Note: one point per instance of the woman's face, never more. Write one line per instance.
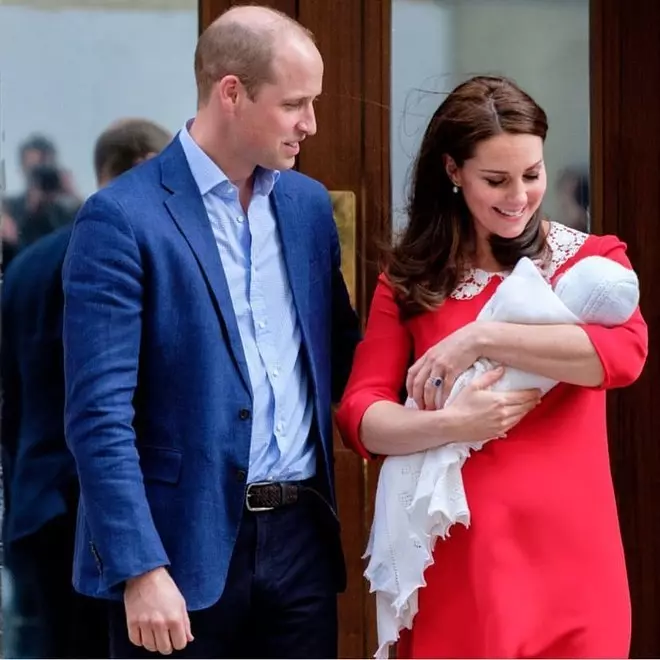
(503, 184)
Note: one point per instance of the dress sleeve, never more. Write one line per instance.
(379, 367)
(622, 349)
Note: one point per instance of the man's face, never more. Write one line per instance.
(270, 127)
(32, 158)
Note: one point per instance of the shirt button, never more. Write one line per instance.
(276, 372)
(262, 324)
(239, 218)
(243, 414)
(241, 475)
(279, 426)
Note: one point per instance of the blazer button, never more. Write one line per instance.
(241, 475)
(244, 414)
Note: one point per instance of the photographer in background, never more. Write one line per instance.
(572, 190)
(43, 616)
(48, 202)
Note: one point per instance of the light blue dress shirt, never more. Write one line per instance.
(251, 253)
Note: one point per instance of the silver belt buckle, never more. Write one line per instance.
(257, 509)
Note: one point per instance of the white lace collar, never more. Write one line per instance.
(564, 242)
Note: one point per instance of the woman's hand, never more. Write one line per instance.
(440, 366)
(480, 414)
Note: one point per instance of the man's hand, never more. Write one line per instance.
(8, 229)
(156, 613)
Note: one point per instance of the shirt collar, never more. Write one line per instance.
(208, 176)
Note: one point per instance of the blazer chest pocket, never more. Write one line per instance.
(161, 464)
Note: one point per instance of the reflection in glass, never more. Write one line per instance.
(80, 64)
(68, 69)
(542, 44)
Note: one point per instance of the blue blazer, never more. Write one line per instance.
(158, 398)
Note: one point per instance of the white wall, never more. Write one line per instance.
(542, 44)
(422, 71)
(69, 73)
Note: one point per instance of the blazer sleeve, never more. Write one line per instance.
(379, 368)
(622, 349)
(103, 306)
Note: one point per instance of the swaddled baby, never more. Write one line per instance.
(597, 291)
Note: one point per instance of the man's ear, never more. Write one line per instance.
(228, 90)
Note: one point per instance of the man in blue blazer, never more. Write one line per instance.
(43, 616)
(207, 328)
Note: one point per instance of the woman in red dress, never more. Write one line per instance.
(541, 570)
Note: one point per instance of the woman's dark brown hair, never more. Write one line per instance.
(427, 263)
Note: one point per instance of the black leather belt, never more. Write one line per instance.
(269, 495)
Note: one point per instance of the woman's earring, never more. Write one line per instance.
(455, 189)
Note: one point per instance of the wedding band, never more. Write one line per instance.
(436, 381)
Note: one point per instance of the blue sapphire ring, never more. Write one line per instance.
(435, 381)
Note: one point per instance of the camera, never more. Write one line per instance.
(46, 178)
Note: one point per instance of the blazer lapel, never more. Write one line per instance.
(187, 209)
(296, 248)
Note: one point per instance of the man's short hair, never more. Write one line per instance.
(229, 47)
(126, 142)
(40, 143)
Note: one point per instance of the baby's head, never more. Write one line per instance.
(599, 290)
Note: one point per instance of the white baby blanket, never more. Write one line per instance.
(420, 496)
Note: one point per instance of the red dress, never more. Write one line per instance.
(540, 573)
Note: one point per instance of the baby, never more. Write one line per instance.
(420, 496)
(596, 290)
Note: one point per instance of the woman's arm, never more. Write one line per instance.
(371, 418)
(390, 429)
(604, 357)
(475, 415)
(378, 370)
(586, 355)
(561, 352)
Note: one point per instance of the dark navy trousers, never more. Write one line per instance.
(280, 599)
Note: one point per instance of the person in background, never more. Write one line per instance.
(48, 203)
(43, 616)
(573, 198)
